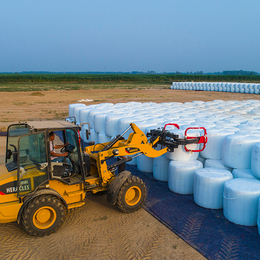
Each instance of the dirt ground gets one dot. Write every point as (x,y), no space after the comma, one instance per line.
(96,230)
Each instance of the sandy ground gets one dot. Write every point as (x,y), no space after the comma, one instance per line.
(96,230)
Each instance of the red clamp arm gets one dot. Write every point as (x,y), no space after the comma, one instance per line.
(176,125)
(202,139)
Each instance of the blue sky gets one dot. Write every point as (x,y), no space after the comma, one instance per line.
(119,35)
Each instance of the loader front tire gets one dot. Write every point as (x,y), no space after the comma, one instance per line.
(43,215)
(131,195)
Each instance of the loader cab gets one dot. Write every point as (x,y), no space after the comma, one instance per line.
(69,168)
(28,154)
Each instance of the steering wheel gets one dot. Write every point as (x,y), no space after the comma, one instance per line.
(68,148)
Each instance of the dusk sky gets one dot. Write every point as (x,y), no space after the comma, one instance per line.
(119,35)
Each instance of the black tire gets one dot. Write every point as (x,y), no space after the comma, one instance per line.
(131,195)
(43,215)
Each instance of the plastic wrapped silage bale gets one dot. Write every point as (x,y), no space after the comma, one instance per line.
(161,168)
(255,111)
(232,87)
(213,149)
(145,164)
(209,185)
(255,160)
(103,138)
(83,113)
(76,111)
(111,124)
(71,107)
(170,104)
(214,163)
(146,125)
(183,122)
(243,173)
(257,89)
(181,176)
(92,114)
(236,119)
(237,150)
(93,136)
(100,121)
(247,132)
(248,127)
(240,204)
(180,154)
(124,123)
(200,123)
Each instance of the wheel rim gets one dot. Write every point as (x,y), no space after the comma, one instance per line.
(133,196)
(44,217)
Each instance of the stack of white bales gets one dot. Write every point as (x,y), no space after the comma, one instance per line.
(251,88)
(231,154)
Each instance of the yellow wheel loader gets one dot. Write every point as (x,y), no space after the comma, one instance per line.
(37,189)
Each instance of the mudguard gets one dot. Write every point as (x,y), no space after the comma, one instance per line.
(115,186)
(38,193)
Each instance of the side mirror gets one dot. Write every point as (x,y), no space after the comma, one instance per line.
(87,134)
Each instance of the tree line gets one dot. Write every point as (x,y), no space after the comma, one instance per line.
(124,78)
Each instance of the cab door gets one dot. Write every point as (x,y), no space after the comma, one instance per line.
(33,166)
(13,134)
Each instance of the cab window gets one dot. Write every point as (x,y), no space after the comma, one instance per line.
(32,162)
(13,134)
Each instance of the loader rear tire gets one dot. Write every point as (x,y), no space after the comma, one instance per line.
(131,195)
(43,215)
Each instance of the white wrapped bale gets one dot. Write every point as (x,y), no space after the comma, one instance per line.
(208,187)
(180,154)
(237,150)
(213,149)
(100,122)
(243,173)
(255,160)
(111,124)
(83,113)
(145,164)
(91,116)
(93,136)
(160,168)
(76,112)
(181,176)
(240,204)
(72,106)
(212,163)
(103,138)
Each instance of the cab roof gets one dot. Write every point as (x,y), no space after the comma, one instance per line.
(56,124)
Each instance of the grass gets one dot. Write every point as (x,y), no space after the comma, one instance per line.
(37,87)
